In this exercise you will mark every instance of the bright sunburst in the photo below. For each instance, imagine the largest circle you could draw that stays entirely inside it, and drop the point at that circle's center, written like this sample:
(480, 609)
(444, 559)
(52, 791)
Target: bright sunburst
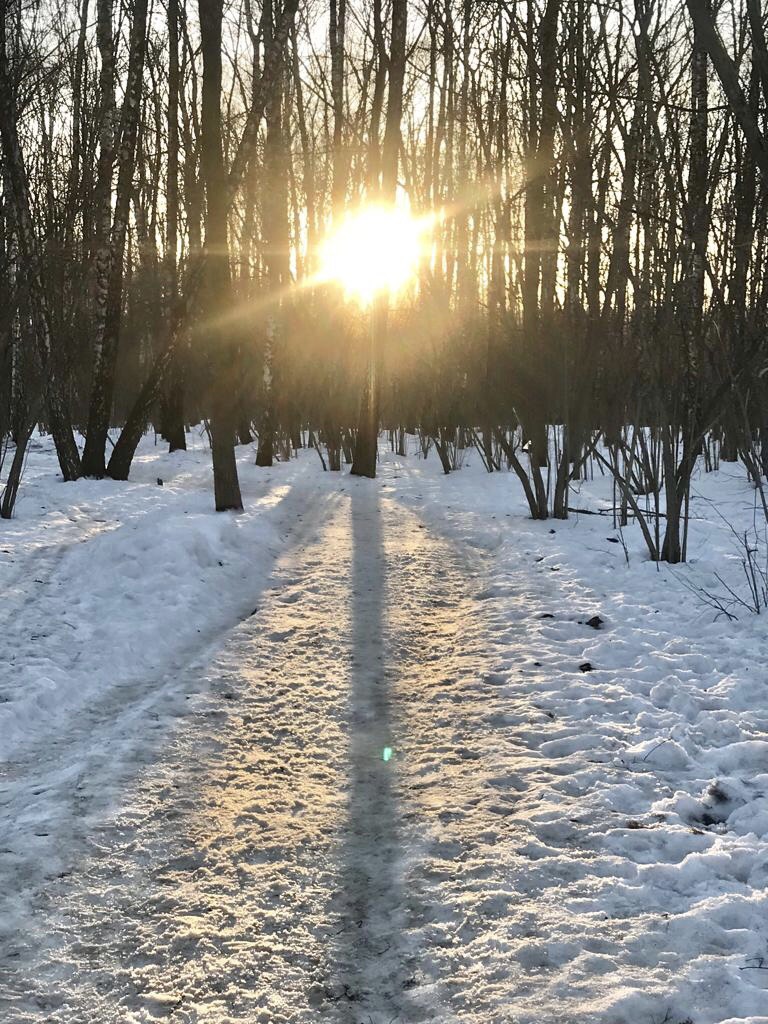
(377, 249)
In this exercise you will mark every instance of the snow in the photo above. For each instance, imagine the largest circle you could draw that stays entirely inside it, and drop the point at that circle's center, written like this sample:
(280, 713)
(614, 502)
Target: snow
(199, 821)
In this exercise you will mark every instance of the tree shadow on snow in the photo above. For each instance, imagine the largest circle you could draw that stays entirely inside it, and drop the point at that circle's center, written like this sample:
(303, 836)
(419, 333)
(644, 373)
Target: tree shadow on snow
(369, 970)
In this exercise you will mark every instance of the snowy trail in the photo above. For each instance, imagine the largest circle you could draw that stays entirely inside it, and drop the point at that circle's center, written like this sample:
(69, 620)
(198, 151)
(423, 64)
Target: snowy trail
(256, 869)
(69, 773)
(519, 859)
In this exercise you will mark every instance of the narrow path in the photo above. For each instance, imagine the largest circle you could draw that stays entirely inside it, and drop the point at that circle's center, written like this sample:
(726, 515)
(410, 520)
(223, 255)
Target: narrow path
(267, 866)
(114, 693)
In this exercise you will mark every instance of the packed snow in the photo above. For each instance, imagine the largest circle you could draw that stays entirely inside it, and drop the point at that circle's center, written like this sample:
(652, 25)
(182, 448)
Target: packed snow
(376, 751)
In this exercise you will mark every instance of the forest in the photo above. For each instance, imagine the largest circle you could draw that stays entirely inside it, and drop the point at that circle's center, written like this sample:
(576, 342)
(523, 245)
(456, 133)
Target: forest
(590, 289)
(383, 511)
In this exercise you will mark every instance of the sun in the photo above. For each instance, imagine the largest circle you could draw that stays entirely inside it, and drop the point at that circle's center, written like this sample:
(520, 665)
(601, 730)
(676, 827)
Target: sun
(375, 250)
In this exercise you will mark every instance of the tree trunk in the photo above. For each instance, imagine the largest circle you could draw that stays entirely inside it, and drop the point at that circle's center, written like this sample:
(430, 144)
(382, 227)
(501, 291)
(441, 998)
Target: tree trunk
(338, 12)
(110, 305)
(276, 243)
(217, 285)
(173, 420)
(366, 444)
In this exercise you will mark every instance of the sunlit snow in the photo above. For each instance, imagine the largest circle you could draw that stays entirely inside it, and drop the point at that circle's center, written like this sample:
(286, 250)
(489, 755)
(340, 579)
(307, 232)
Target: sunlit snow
(334, 759)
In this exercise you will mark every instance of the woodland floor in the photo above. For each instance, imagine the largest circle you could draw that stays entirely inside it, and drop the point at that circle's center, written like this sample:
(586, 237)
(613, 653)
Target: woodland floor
(200, 820)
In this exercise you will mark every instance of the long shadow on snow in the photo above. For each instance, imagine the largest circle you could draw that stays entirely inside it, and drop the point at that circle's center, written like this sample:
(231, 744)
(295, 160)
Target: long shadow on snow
(371, 972)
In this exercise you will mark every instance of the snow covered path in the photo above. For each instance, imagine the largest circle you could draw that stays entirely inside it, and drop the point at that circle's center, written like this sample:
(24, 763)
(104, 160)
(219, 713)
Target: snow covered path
(543, 844)
(258, 869)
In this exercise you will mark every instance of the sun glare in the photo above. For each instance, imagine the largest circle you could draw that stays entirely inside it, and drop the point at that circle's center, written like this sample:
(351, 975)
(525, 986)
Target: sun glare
(375, 250)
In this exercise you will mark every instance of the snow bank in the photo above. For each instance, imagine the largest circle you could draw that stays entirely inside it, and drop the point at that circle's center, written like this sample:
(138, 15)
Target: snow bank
(109, 583)
(637, 753)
